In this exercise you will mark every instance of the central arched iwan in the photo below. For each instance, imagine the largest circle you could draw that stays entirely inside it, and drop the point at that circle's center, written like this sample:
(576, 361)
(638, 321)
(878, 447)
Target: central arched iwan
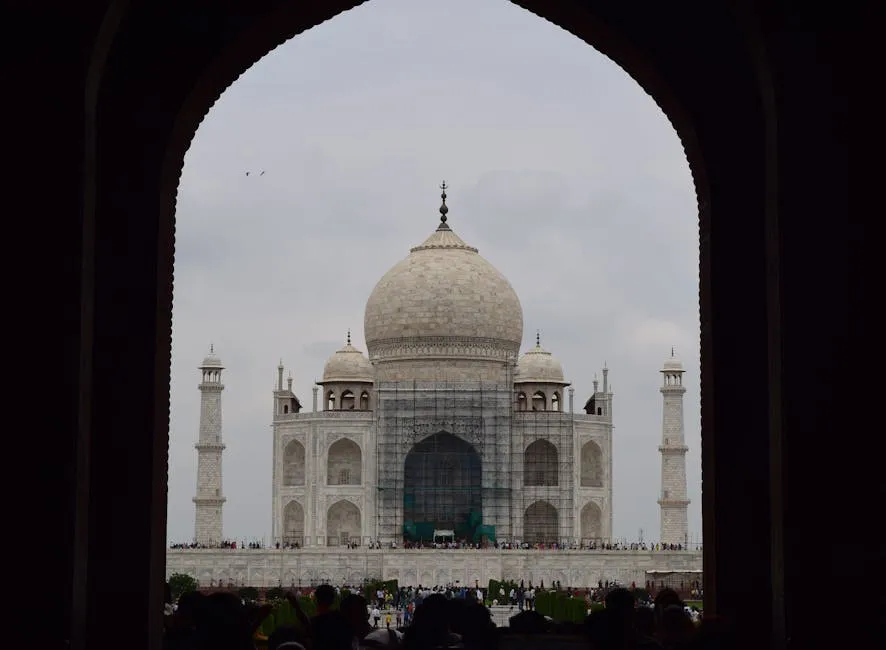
(442, 487)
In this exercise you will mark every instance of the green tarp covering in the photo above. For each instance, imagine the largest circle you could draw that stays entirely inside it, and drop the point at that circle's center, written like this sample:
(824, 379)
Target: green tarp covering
(472, 529)
(486, 531)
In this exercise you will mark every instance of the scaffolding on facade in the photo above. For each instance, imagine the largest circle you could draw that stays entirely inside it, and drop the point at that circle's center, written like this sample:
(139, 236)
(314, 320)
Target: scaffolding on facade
(457, 460)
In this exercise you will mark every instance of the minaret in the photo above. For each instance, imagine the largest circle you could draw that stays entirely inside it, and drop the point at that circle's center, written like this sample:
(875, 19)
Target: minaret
(209, 499)
(673, 501)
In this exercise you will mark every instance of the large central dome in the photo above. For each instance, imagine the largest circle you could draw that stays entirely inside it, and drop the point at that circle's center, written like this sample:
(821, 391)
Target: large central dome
(443, 302)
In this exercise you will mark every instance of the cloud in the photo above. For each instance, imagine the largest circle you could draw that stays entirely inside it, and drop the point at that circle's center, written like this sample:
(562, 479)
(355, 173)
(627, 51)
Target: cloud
(647, 336)
(563, 172)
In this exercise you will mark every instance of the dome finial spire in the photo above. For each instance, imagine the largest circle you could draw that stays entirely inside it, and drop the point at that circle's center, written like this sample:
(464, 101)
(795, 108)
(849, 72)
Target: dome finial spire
(443, 208)
(211, 349)
(349, 336)
(538, 338)
(672, 352)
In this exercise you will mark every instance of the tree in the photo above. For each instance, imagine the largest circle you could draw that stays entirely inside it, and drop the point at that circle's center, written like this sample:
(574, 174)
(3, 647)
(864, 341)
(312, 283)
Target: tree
(181, 583)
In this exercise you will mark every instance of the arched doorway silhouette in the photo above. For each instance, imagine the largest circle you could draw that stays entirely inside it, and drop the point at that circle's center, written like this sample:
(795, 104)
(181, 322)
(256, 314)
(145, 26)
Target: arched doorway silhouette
(140, 147)
(442, 487)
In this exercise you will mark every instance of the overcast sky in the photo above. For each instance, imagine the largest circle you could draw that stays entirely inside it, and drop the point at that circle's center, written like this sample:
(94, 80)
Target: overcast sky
(563, 172)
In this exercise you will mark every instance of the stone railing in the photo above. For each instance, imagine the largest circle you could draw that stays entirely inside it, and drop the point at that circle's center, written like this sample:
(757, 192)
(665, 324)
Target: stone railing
(587, 417)
(357, 415)
(310, 550)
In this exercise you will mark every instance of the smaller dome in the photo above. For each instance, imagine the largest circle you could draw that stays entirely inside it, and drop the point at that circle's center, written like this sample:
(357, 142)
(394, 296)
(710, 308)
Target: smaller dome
(348, 365)
(672, 363)
(211, 360)
(538, 366)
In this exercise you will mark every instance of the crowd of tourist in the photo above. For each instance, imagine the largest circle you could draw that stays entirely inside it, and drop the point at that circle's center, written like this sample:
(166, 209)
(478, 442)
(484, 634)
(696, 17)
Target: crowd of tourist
(522, 596)
(446, 617)
(230, 544)
(541, 546)
(454, 545)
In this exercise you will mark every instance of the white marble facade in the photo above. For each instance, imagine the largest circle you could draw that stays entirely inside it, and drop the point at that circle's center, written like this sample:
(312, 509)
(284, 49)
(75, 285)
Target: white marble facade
(442, 327)
(313, 566)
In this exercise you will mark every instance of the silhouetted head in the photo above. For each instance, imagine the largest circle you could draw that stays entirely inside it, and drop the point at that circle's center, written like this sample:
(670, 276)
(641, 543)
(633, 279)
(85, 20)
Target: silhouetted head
(600, 629)
(354, 608)
(528, 622)
(224, 623)
(676, 627)
(189, 607)
(382, 638)
(430, 624)
(325, 596)
(644, 621)
(667, 597)
(332, 632)
(473, 622)
(620, 603)
(620, 600)
(434, 610)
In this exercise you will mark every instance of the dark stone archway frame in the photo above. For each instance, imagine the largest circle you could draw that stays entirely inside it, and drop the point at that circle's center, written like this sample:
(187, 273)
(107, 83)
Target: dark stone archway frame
(157, 69)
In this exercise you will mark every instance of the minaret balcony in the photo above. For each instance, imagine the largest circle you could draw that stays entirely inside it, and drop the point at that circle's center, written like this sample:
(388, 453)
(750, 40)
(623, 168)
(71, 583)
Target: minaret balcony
(673, 503)
(673, 449)
(590, 417)
(528, 415)
(349, 414)
(209, 501)
(210, 446)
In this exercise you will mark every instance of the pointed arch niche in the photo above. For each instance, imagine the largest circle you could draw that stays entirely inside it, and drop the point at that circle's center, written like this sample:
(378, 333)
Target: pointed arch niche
(294, 464)
(343, 523)
(541, 523)
(344, 463)
(541, 465)
(293, 523)
(591, 465)
(591, 522)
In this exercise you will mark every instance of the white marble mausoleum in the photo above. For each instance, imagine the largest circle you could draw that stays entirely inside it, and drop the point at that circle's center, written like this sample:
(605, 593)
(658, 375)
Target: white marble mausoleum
(441, 430)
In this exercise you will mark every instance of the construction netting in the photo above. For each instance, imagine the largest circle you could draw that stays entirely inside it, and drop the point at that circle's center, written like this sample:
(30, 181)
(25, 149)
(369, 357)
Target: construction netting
(458, 461)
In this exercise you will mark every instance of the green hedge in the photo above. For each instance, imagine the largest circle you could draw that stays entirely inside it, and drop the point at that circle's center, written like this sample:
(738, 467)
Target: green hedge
(284, 614)
(560, 607)
(494, 586)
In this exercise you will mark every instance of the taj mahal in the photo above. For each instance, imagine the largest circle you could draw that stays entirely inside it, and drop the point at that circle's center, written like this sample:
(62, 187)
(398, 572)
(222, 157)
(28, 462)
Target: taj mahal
(440, 433)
